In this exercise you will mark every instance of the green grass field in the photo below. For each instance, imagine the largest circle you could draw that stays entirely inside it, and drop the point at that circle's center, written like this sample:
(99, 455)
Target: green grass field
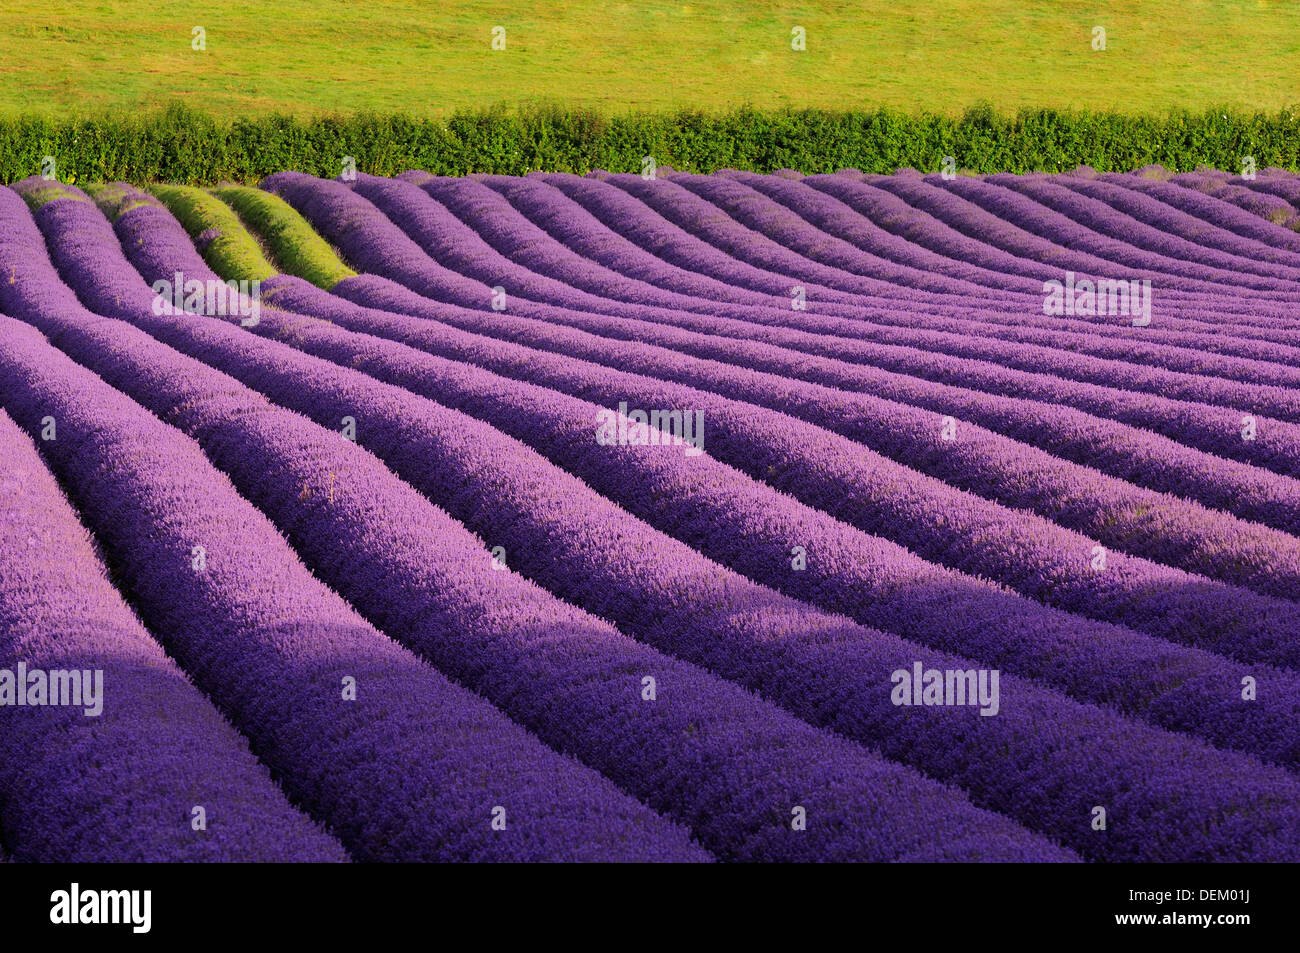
(430, 58)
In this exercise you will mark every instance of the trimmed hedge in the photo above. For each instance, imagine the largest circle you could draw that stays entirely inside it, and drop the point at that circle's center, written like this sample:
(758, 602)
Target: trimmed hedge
(178, 144)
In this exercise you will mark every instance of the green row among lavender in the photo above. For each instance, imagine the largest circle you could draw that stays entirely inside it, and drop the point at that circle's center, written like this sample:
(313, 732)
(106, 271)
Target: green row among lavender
(475, 379)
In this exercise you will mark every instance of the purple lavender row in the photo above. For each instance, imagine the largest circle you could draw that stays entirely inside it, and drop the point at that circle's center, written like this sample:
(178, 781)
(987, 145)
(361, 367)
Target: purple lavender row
(767, 217)
(440, 334)
(596, 554)
(552, 209)
(835, 219)
(937, 219)
(590, 552)
(575, 679)
(1286, 188)
(474, 230)
(845, 262)
(1220, 433)
(629, 218)
(414, 766)
(110, 769)
(696, 499)
(500, 245)
(440, 219)
(680, 206)
(577, 229)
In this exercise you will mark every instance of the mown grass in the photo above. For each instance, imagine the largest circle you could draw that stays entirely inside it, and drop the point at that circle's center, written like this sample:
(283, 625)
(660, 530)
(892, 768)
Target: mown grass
(309, 57)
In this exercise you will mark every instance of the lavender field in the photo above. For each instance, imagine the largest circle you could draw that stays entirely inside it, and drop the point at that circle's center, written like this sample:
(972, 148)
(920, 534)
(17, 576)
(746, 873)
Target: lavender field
(658, 517)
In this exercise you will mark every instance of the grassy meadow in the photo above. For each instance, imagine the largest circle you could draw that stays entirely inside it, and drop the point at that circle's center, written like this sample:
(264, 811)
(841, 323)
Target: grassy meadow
(430, 59)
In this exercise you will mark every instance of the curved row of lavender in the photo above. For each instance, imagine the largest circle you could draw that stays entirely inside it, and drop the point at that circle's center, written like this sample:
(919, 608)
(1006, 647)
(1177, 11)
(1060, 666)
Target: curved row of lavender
(920, 397)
